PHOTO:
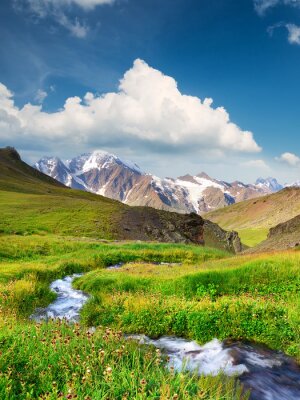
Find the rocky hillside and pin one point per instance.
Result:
(32, 202)
(105, 174)
(283, 236)
(254, 218)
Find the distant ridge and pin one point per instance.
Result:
(256, 217)
(106, 174)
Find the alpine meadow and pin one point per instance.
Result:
(149, 200)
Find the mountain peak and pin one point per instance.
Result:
(10, 152)
(270, 183)
(204, 176)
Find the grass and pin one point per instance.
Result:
(248, 297)
(253, 236)
(60, 361)
(54, 360)
(209, 294)
(75, 214)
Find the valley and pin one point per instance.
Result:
(149, 200)
(177, 275)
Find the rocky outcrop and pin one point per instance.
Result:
(151, 224)
(215, 236)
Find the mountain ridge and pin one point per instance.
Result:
(106, 174)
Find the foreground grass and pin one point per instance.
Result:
(208, 294)
(55, 360)
(51, 361)
(28, 264)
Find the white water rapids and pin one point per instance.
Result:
(269, 374)
(68, 303)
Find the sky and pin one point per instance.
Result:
(177, 86)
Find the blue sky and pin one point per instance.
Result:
(245, 55)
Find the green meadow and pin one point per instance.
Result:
(199, 293)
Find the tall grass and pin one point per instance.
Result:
(241, 298)
(56, 360)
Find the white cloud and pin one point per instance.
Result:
(294, 33)
(56, 9)
(42, 7)
(256, 164)
(261, 6)
(87, 4)
(289, 158)
(147, 110)
(40, 96)
(76, 28)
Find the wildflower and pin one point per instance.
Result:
(101, 353)
(108, 370)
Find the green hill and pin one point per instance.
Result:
(31, 202)
(283, 236)
(252, 219)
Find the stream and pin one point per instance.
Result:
(271, 375)
(67, 304)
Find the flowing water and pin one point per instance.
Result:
(68, 303)
(269, 374)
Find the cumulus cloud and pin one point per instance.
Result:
(40, 96)
(147, 110)
(256, 164)
(56, 9)
(289, 158)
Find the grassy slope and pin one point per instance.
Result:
(51, 361)
(31, 202)
(253, 218)
(74, 214)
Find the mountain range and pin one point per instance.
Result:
(34, 203)
(105, 174)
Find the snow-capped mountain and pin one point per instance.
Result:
(294, 184)
(58, 170)
(106, 174)
(270, 183)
